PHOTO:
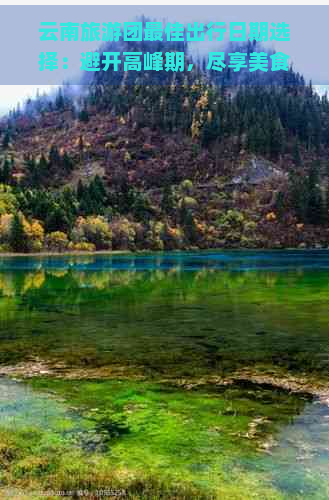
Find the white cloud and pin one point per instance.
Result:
(11, 95)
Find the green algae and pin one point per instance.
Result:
(167, 323)
(210, 438)
(155, 425)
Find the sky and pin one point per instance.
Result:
(307, 46)
(11, 95)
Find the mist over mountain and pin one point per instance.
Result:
(166, 160)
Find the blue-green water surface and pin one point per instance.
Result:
(147, 341)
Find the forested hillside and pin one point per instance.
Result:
(198, 159)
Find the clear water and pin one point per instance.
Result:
(160, 319)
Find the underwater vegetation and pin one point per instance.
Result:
(165, 376)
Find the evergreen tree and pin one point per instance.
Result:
(6, 140)
(187, 221)
(315, 209)
(59, 101)
(141, 207)
(298, 194)
(80, 190)
(277, 139)
(5, 172)
(326, 170)
(280, 204)
(326, 214)
(296, 154)
(168, 200)
(67, 163)
(87, 204)
(42, 171)
(54, 156)
(17, 237)
(84, 115)
(57, 220)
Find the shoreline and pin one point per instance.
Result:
(149, 251)
(316, 387)
(63, 254)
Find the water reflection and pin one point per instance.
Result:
(145, 315)
(167, 320)
(189, 261)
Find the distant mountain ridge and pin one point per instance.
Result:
(204, 159)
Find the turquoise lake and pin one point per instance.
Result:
(204, 368)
